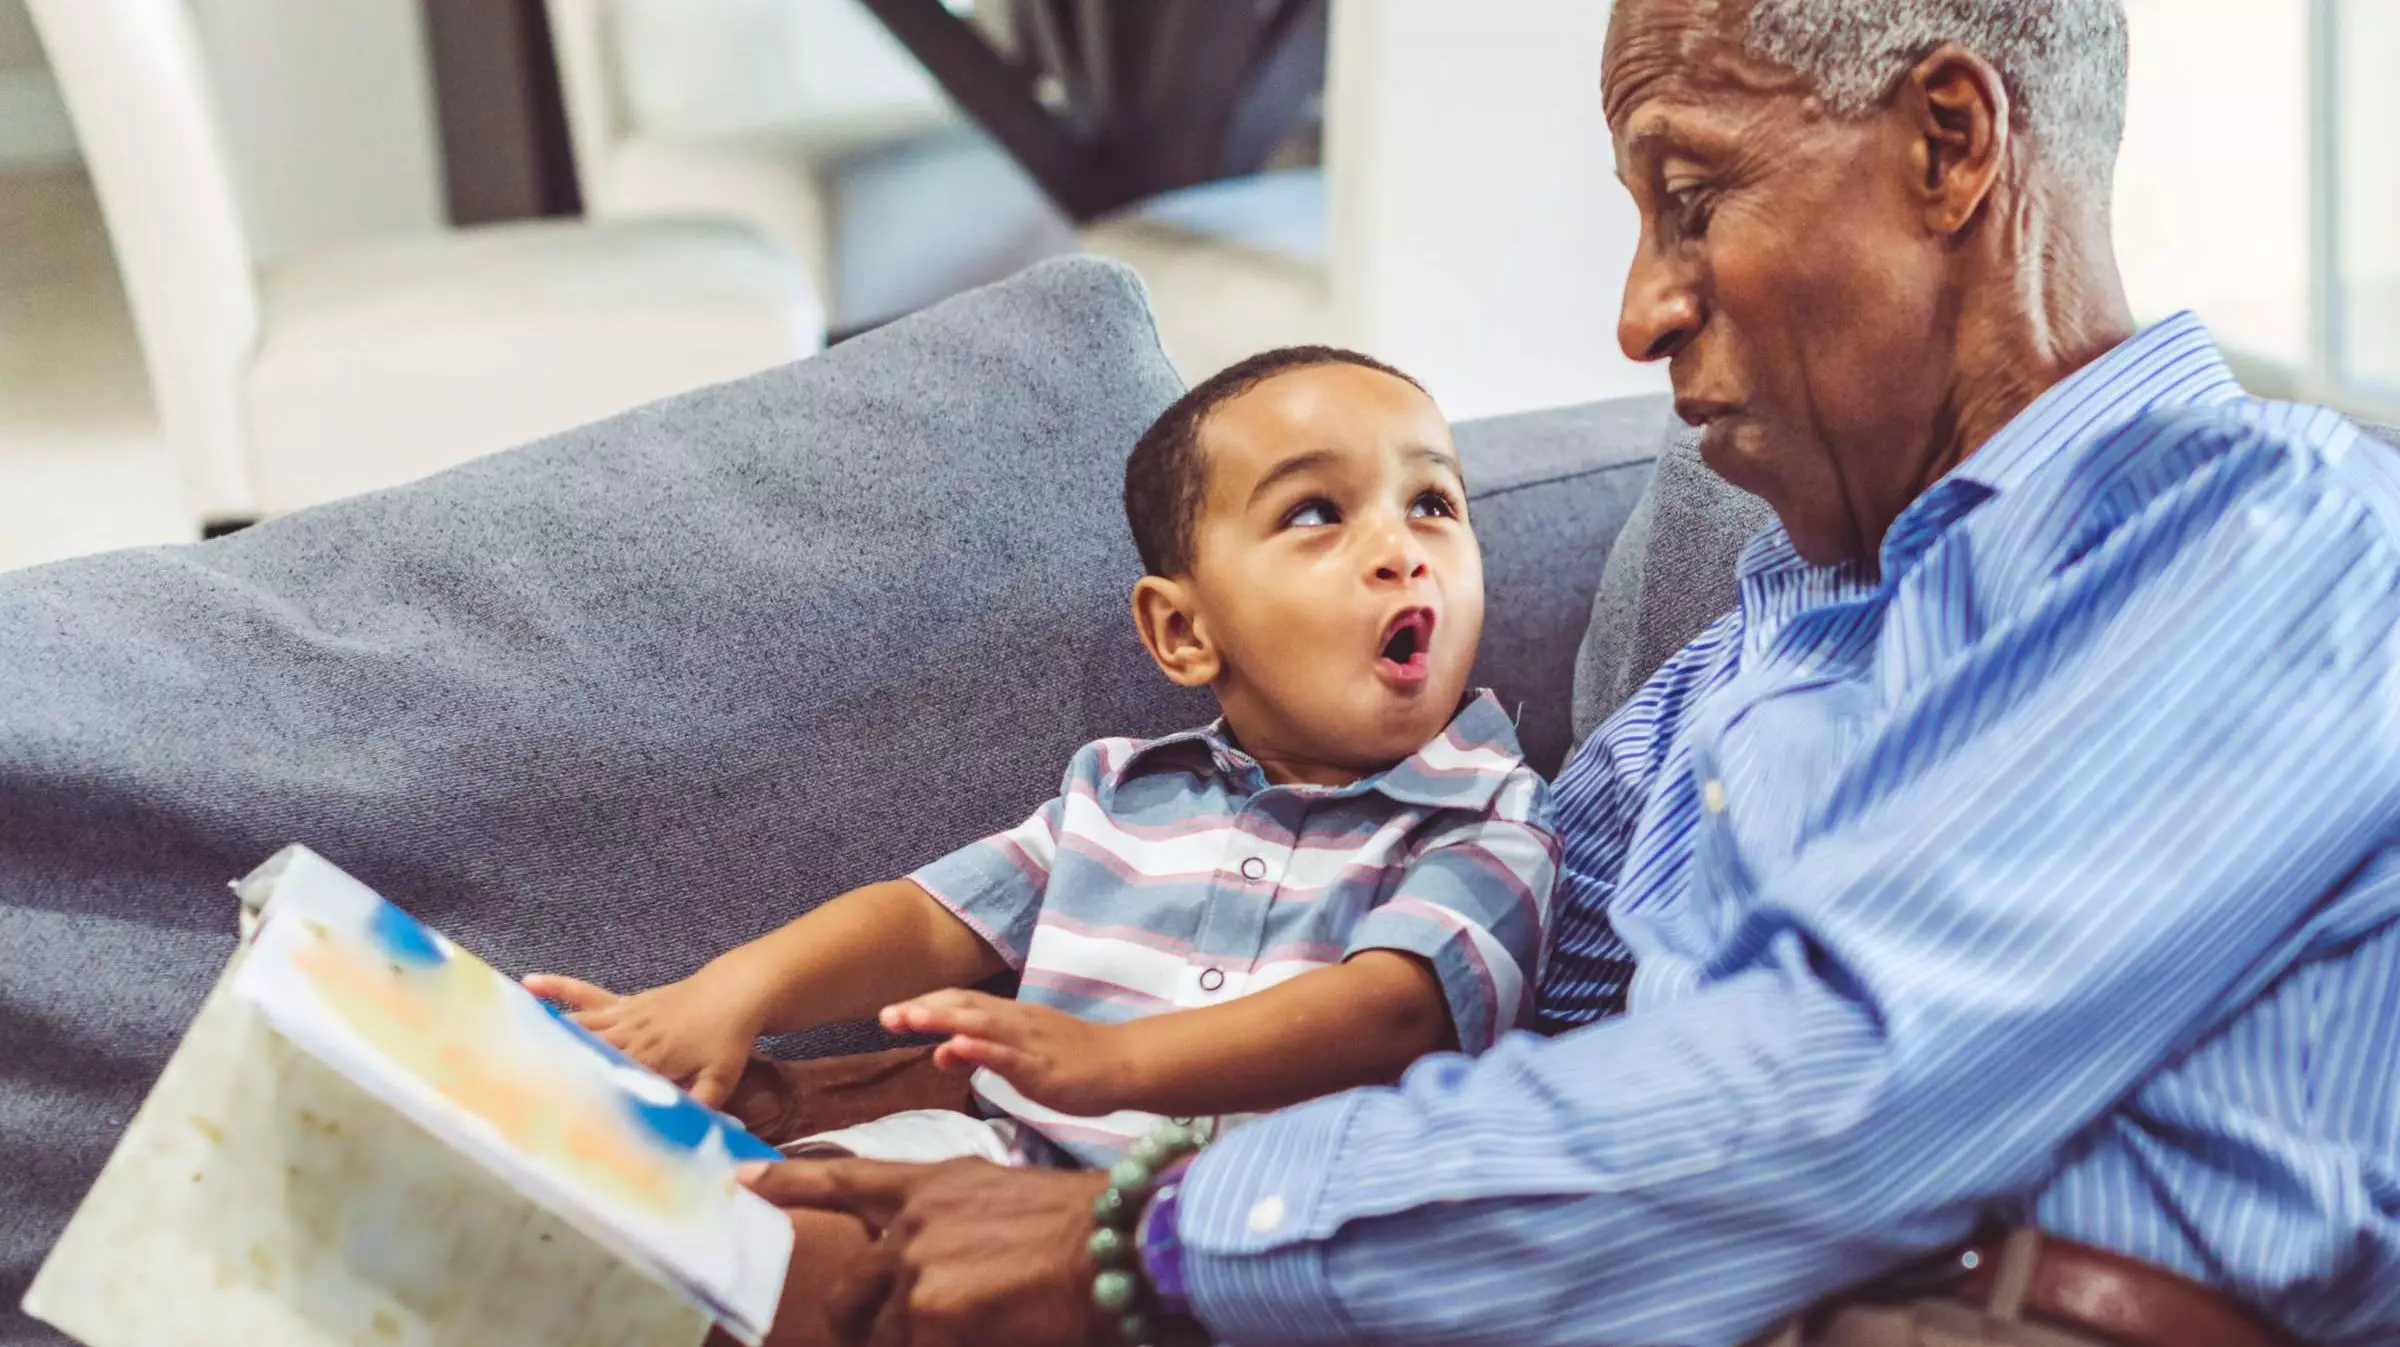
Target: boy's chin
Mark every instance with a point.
(1404, 721)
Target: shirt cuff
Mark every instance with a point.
(1250, 1218)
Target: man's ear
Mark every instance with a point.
(1960, 104)
(1172, 632)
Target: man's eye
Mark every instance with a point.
(1691, 206)
(1312, 514)
(1433, 505)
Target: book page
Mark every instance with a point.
(549, 1109)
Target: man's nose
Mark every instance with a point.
(1661, 313)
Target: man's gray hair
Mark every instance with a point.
(2063, 61)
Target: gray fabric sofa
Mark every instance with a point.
(612, 702)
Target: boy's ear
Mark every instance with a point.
(1164, 614)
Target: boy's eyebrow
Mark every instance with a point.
(1291, 467)
(1443, 457)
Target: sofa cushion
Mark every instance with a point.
(1548, 492)
(1669, 575)
(607, 704)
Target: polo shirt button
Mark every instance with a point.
(1254, 868)
(1267, 1215)
(1212, 979)
(1712, 795)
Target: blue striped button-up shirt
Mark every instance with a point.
(2044, 871)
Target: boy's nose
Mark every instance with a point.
(1399, 555)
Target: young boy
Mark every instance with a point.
(1350, 870)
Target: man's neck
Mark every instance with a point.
(2050, 304)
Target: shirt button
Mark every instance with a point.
(1712, 795)
(1267, 1215)
(1212, 979)
(1254, 868)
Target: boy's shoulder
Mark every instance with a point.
(1103, 760)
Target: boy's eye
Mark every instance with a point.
(1433, 505)
(1312, 514)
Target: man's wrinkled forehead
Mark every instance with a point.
(1686, 52)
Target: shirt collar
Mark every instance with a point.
(2172, 363)
(1463, 767)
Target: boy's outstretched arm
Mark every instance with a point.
(843, 961)
(1357, 1023)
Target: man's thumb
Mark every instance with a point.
(872, 1190)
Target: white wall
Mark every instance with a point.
(1480, 234)
(327, 108)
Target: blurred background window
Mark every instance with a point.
(2359, 248)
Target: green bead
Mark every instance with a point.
(1115, 1292)
(1112, 1207)
(1134, 1330)
(1110, 1248)
(1130, 1177)
(1154, 1150)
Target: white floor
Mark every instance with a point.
(81, 465)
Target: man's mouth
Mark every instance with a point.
(1704, 412)
(1404, 658)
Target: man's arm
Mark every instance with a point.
(2181, 756)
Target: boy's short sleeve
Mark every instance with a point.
(995, 886)
(1475, 904)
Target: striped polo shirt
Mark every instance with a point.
(1169, 875)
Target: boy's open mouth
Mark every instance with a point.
(1407, 640)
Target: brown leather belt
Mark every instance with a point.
(2117, 1299)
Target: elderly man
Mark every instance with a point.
(2010, 878)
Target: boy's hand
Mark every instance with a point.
(691, 1032)
(1057, 1060)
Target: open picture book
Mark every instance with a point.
(370, 1135)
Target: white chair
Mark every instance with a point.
(733, 109)
(723, 109)
(347, 369)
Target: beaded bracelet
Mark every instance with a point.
(1120, 1288)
